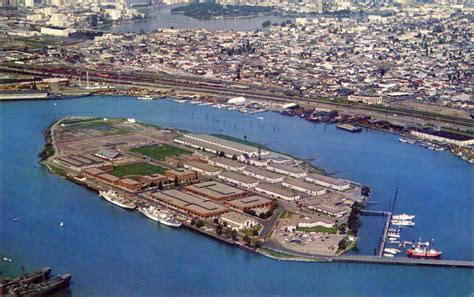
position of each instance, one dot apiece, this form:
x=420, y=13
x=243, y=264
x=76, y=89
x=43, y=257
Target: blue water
x=111, y=251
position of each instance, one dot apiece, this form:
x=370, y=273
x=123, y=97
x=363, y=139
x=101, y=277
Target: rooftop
x=214, y=190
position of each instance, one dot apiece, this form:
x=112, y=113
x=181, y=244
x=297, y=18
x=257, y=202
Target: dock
x=349, y=127
x=383, y=240
x=404, y=261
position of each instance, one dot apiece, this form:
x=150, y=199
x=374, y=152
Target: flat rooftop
x=446, y=134
x=249, y=202
x=302, y=184
x=328, y=179
x=210, y=146
x=214, y=190
x=223, y=142
x=238, y=177
x=202, y=166
x=262, y=172
x=276, y=189
x=227, y=162
x=287, y=168
x=188, y=201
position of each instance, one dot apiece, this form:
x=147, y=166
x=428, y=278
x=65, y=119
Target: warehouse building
x=247, y=203
x=237, y=179
x=226, y=144
x=444, y=137
x=215, y=191
x=202, y=168
x=227, y=164
x=129, y=184
x=287, y=169
x=190, y=204
x=277, y=192
x=154, y=179
x=263, y=174
x=328, y=182
x=302, y=186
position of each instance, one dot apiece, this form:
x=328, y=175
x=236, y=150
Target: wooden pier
x=383, y=240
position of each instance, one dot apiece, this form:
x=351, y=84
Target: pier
x=405, y=261
x=383, y=240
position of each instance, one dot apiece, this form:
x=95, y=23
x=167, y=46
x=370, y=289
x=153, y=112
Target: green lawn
x=159, y=151
x=136, y=169
x=249, y=231
x=319, y=229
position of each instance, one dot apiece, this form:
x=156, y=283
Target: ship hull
x=148, y=215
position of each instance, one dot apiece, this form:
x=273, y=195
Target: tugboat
x=114, y=197
x=423, y=250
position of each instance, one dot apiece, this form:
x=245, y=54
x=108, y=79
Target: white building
x=302, y=186
x=238, y=179
x=238, y=221
x=202, y=168
x=276, y=192
x=328, y=182
x=444, y=137
x=263, y=174
x=287, y=169
x=365, y=99
x=227, y=164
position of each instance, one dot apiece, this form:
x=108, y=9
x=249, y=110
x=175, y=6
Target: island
x=212, y=10
x=230, y=189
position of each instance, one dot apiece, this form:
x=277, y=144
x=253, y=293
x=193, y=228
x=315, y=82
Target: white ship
x=403, y=216
x=169, y=220
x=391, y=250
x=145, y=98
x=114, y=198
x=151, y=212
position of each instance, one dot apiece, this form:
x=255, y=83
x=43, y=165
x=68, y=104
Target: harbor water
x=114, y=252
x=162, y=18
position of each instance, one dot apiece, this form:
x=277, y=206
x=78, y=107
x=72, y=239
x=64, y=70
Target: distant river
x=162, y=18
x=114, y=252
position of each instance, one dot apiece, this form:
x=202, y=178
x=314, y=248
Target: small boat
x=403, y=140
x=387, y=255
x=403, y=223
x=259, y=118
x=61, y=224
x=391, y=251
x=394, y=235
x=403, y=216
x=411, y=141
x=145, y=98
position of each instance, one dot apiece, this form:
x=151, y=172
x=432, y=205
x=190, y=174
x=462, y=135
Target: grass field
x=159, y=151
x=319, y=229
x=136, y=169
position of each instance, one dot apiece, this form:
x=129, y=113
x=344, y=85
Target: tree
x=342, y=244
x=233, y=234
x=255, y=232
x=215, y=221
x=234, y=157
x=221, y=154
x=176, y=182
x=199, y=223
x=247, y=240
x=160, y=186
x=219, y=229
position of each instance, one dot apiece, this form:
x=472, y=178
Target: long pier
x=383, y=240
x=404, y=261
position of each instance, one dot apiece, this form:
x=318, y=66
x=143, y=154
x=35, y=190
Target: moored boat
x=150, y=212
x=28, y=278
x=423, y=250
x=403, y=216
x=169, y=220
x=115, y=198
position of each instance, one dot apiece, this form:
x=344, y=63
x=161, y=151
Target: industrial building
x=237, y=179
x=263, y=174
x=287, y=169
x=202, y=168
x=277, y=192
x=444, y=137
x=302, y=186
x=247, y=203
x=328, y=182
x=190, y=204
x=227, y=164
x=215, y=191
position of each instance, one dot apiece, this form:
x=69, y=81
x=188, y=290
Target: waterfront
x=98, y=238
x=163, y=19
